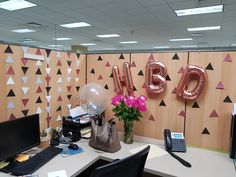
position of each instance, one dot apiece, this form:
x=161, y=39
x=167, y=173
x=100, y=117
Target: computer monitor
x=19, y=135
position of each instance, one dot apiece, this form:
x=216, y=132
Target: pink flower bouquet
x=129, y=108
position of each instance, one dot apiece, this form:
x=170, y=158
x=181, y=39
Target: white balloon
x=93, y=98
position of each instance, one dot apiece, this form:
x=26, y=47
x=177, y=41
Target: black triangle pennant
x=77, y=88
x=48, y=89
x=25, y=112
x=48, y=51
x=227, y=100
x=205, y=131
x=92, y=71
x=168, y=78
x=69, y=63
x=121, y=57
x=78, y=55
x=175, y=57
x=111, y=75
x=24, y=69
x=140, y=73
x=11, y=93
x=39, y=100
x=38, y=72
x=59, y=108
x=209, y=67
x=59, y=72
x=99, y=58
x=8, y=50
x=195, y=105
x=69, y=97
x=134, y=89
x=162, y=103
x=106, y=87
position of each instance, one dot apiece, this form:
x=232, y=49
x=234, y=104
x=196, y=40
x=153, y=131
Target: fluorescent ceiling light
x=188, y=46
x=53, y=45
x=129, y=42
x=62, y=39
x=108, y=35
x=28, y=40
x=23, y=31
x=181, y=39
x=16, y=5
x=233, y=45
x=201, y=10
x=75, y=25
x=207, y=28
x=88, y=44
x=161, y=47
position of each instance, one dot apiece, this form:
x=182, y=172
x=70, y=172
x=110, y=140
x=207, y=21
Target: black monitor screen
x=18, y=135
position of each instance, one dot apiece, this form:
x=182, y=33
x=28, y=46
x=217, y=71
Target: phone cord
x=185, y=163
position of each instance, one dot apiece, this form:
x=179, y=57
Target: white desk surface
x=204, y=163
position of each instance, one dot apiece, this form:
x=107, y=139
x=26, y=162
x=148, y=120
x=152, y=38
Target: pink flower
x=140, y=103
x=130, y=101
x=117, y=99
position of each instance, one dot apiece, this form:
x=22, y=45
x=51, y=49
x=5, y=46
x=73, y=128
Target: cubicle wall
x=47, y=87
x=205, y=121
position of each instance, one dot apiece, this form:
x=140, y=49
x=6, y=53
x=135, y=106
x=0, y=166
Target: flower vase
x=128, y=132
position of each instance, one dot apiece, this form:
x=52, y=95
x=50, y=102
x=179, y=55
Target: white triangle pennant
x=58, y=54
x=69, y=70
x=69, y=106
x=59, y=118
x=48, y=108
x=48, y=60
x=39, y=81
x=25, y=49
x=59, y=80
x=77, y=79
x=24, y=89
x=48, y=98
x=77, y=63
x=39, y=111
x=10, y=105
x=10, y=81
x=48, y=70
x=9, y=59
x=68, y=79
x=24, y=79
x=59, y=89
x=38, y=63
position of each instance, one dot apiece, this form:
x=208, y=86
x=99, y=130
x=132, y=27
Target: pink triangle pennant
x=77, y=71
x=133, y=64
x=214, y=114
x=151, y=118
x=47, y=79
x=24, y=61
x=228, y=58
x=151, y=58
x=48, y=119
x=69, y=88
x=59, y=63
x=38, y=52
x=12, y=117
x=68, y=53
x=39, y=90
x=100, y=77
x=59, y=98
x=181, y=70
x=182, y=114
x=25, y=101
x=220, y=85
x=107, y=64
x=10, y=71
x=174, y=91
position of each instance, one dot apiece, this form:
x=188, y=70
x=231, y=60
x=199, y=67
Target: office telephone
x=174, y=142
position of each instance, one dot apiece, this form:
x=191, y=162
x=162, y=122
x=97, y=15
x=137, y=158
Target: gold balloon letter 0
x=125, y=79
x=155, y=78
x=189, y=72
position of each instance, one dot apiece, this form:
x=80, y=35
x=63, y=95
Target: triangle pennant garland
x=99, y=58
x=100, y=77
x=135, y=89
x=11, y=105
x=48, y=120
x=111, y=75
x=107, y=64
x=48, y=98
x=10, y=71
x=48, y=70
x=228, y=58
x=25, y=101
x=38, y=72
x=77, y=88
x=174, y=91
x=69, y=63
x=24, y=69
x=25, y=112
x=77, y=79
x=209, y=67
x=133, y=64
x=168, y=78
x=205, y=131
x=59, y=63
x=59, y=89
x=48, y=108
x=58, y=72
x=24, y=61
x=77, y=71
x=39, y=110
x=24, y=79
x=77, y=63
x=8, y=50
x=78, y=55
x=106, y=87
x=220, y=85
x=140, y=73
x=181, y=70
x=227, y=100
x=214, y=114
x=195, y=105
x=48, y=89
x=12, y=117
x=68, y=79
x=121, y=57
x=25, y=49
x=182, y=114
x=69, y=106
x=48, y=59
x=38, y=52
x=92, y=71
x=39, y=90
x=10, y=81
x=38, y=63
x=24, y=89
x=175, y=57
x=59, y=118
x=59, y=80
x=69, y=97
x=162, y=103
x=151, y=118
x=11, y=93
x=59, y=98
x=69, y=88
x=68, y=53
x=47, y=78
x=58, y=54
x=59, y=108
x=39, y=100
x=151, y=58
x=9, y=59
x=69, y=70
x=48, y=51
x=39, y=81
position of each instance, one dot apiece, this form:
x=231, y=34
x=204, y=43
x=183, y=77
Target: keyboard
x=35, y=162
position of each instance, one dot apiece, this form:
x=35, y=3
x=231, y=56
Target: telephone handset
x=175, y=145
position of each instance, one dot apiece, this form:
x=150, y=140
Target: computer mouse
x=73, y=146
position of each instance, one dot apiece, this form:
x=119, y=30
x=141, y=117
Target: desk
x=204, y=163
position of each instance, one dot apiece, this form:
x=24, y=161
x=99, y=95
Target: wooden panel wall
x=209, y=117
x=30, y=86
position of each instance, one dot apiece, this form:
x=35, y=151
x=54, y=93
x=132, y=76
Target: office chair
x=131, y=166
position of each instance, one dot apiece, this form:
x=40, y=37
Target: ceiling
x=150, y=22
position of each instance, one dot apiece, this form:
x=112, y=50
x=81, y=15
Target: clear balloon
x=93, y=98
